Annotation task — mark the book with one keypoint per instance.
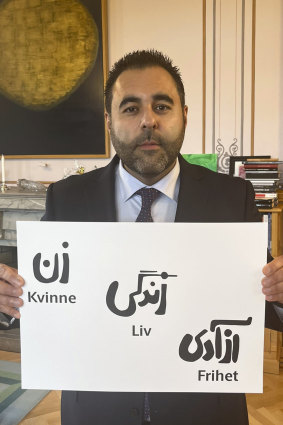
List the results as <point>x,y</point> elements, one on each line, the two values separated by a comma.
<point>274,163</point>
<point>266,203</point>
<point>266,195</point>
<point>263,181</point>
<point>261,167</point>
<point>261,160</point>
<point>264,190</point>
<point>262,175</point>
<point>264,207</point>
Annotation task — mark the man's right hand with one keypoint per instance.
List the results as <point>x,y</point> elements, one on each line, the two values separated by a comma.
<point>10,290</point>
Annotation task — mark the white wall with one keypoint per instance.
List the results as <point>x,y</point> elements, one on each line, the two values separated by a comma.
<point>269,78</point>
<point>280,141</point>
<point>175,27</point>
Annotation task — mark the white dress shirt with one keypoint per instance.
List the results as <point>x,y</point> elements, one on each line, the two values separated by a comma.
<point>128,205</point>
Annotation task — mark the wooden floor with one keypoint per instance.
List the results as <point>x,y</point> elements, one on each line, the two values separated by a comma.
<point>267,408</point>
<point>47,412</point>
<point>264,409</point>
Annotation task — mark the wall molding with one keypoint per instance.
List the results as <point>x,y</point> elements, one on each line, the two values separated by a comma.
<point>228,60</point>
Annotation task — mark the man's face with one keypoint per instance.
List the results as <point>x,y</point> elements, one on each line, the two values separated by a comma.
<point>147,123</point>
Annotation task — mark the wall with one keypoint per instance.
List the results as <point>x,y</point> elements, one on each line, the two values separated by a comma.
<point>176,29</point>
<point>280,138</point>
<point>269,78</point>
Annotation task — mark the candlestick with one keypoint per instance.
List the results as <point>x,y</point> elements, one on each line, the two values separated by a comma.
<point>3,169</point>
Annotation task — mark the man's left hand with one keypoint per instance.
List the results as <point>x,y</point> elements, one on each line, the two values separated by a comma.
<point>272,283</point>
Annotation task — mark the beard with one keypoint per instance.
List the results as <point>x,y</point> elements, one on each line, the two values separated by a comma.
<point>149,163</point>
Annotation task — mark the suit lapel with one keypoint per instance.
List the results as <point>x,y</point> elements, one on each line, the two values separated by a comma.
<point>99,194</point>
<point>192,200</point>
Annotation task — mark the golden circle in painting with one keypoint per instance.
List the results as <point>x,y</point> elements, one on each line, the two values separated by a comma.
<point>48,47</point>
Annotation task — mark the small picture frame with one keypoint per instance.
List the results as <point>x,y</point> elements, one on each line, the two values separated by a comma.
<point>236,162</point>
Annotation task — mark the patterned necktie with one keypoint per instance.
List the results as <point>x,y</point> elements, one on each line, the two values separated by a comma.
<point>148,195</point>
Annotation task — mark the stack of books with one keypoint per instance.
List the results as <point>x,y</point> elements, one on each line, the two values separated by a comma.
<point>264,175</point>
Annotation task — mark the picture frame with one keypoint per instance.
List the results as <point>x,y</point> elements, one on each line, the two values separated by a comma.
<point>239,159</point>
<point>72,123</point>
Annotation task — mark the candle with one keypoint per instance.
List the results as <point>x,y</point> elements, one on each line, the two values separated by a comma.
<point>3,169</point>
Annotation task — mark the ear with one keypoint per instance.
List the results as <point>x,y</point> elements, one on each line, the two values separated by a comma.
<point>185,115</point>
<point>108,120</point>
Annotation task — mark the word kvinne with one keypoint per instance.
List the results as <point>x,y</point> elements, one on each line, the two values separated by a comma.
<point>49,298</point>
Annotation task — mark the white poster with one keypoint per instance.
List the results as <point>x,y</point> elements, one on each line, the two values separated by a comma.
<point>142,306</point>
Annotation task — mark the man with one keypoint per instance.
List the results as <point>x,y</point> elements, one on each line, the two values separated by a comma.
<point>146,117</point>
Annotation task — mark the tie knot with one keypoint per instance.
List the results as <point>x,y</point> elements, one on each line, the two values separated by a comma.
<point>148,195</point>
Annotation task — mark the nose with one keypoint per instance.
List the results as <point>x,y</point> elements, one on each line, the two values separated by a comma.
<point>148,119</point>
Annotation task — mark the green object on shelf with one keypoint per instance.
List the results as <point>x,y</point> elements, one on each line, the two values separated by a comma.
<point>208,160</point>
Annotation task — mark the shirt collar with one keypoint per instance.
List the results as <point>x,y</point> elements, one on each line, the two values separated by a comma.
<point>168,185</point>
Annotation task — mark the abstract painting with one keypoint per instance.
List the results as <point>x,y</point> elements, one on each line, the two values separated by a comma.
<point>53,65</point>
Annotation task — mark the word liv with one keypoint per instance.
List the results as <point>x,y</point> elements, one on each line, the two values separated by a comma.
<point>141,331</point>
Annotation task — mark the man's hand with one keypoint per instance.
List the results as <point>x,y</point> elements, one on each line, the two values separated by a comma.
<point>10,290</point>
<point>272,283</point>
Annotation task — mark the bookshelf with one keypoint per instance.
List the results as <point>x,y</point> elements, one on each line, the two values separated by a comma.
<point>273,350</point>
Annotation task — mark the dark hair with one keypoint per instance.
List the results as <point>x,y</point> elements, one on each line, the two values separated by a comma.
<point>141,59</point>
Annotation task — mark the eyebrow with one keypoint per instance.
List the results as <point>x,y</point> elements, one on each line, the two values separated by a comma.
<point>156,97</point>
<point>164,97</point>
<point>129,99</point>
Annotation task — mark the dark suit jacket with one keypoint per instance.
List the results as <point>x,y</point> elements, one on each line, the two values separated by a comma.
<point>204,196</point>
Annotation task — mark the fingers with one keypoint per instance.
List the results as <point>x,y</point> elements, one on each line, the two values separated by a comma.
<point>10,290</point>
<point>275,293</point>
<point>273,279</point>
<point>272,283</point>
<point>9,309</point>
<point>272,286</point>
<point>273,266</point>
<point>10,303</point>
<point>11,275</point>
